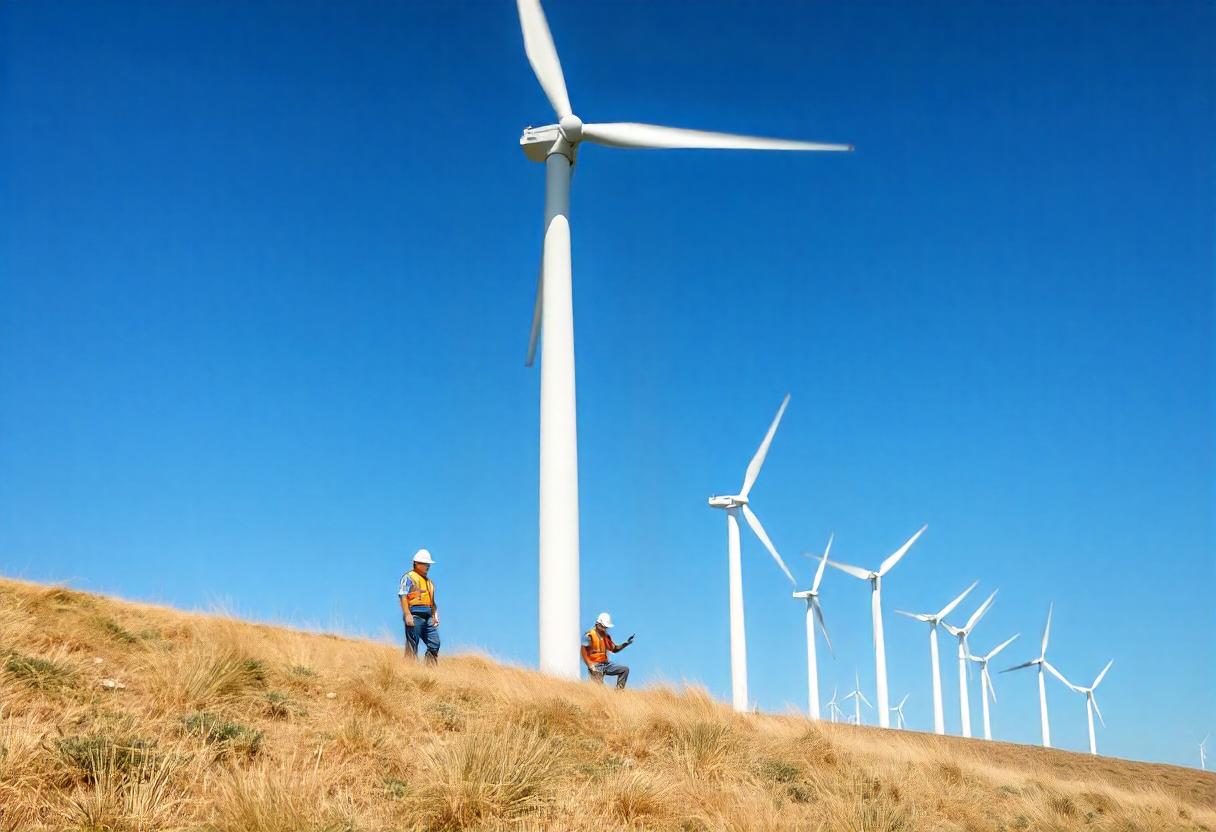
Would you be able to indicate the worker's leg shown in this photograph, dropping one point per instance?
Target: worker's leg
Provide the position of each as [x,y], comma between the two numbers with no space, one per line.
[411,640]
[430,636]
[596,673]
[620,671]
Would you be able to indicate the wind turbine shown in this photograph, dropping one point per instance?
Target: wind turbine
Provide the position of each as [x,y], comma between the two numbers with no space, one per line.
[1041,662]
[986,687]
[733,506]
[964,703]
[899,713]
[553,321]
[814,612]
[1091,704]
[880,652]
[1203,753]
[834,706]
[939,721]
[858,697]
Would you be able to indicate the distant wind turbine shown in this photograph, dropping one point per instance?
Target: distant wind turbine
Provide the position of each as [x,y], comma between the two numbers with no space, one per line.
[814,613]
[932,619]
[1091,704]
[1041,662]
[858,697]
[734,505]
[1203,753]
[834,706]
[964,703]
[880,653]
[899,713]
[986,687]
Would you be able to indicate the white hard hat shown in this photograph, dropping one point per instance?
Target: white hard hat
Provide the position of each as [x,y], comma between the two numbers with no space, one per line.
[422,556]
[604,620]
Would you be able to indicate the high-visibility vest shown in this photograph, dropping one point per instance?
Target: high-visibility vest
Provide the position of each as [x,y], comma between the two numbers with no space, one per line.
[599,645]
[422,591]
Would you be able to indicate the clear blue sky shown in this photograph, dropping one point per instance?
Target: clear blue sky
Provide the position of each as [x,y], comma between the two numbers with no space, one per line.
[267,271]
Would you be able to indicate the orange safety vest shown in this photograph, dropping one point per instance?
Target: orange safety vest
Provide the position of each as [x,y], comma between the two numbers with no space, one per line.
[422,591]
[600,644]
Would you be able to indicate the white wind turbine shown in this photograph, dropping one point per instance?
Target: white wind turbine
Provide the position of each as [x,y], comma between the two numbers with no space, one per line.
[1203,753]
[899,713]
[733,505]
[834,706]
[880,652]
[1041,662]
[939,721]
[964,701]
[553,322]
[814,613]
[858,697]
[986,687]
[1091,704]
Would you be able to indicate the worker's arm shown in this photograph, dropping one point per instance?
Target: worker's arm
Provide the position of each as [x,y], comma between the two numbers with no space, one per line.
[586,653]
[434,608]
[402,594]
[616,648]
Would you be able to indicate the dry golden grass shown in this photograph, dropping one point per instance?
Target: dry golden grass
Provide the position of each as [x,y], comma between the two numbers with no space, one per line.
[221,725]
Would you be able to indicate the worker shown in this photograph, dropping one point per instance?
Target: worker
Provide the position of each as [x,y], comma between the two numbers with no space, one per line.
[416,593]
[597,644]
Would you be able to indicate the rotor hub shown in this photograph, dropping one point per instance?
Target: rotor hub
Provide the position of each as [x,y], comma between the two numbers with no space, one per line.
[572,127]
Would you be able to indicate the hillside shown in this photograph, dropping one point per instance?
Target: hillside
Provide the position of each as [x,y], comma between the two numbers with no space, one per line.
[115,715]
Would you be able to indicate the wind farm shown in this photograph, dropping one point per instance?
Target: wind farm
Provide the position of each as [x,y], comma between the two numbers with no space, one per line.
[291,542]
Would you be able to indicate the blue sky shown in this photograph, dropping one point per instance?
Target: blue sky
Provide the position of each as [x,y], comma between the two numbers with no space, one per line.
[266,276]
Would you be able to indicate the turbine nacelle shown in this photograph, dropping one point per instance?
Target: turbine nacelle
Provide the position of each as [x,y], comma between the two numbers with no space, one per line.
[806,593]
[727,502]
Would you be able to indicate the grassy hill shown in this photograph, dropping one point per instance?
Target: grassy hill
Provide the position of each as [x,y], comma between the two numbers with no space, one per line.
[115,715]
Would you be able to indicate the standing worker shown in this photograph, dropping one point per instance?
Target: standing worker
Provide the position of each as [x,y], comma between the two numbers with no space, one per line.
[597,644]
[417,596]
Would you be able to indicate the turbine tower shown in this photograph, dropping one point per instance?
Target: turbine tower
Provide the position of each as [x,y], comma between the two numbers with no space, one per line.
[899,713]
[858,697]
[1041,662]
[1091,704]
[814,613]
[932,619]
[986,687]
[880,652]
[1203,753]
[964,701]
[734,505]
[556,146]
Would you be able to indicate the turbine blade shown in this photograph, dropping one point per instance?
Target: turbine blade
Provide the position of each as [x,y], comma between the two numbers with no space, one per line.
[542,54]
[1051,668]
[1002,645]
[894,557]
[855,571]
[753,467]
[1100,675]
[1046,630]
[1020,666]
[534,336]
[655,137]
[863,698]
[978,614]
[949,608]
[754,522]
[823,628]
[1094,699]
[918,616]
[991,687]
[823,562]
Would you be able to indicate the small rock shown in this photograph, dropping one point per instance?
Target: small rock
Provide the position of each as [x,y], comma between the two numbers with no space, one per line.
[98,660]
[112,684]
[331,695]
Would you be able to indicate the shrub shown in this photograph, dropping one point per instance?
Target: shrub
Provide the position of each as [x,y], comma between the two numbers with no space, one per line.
[280,706]
[119,756]
[116,631]
[230,736]
[38,673]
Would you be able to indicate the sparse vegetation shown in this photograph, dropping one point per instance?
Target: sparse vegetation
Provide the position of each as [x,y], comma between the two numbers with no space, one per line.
[225,726]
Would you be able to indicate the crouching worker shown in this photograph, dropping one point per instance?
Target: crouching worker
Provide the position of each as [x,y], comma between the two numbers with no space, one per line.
[597,644]
[419,610]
